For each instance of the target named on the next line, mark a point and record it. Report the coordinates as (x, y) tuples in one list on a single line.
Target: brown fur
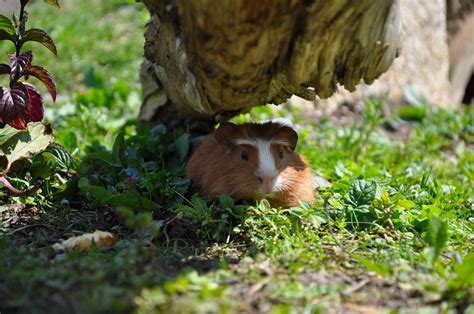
[(216, 166)]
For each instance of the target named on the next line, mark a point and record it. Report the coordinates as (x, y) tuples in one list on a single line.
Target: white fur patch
[(266, 163), (254, 142), (280, 121)]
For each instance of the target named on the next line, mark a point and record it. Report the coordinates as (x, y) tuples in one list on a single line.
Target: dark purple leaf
[(44, 76), (19, 64), (4, 69), (36, 103), (39, 35), (14, 105)]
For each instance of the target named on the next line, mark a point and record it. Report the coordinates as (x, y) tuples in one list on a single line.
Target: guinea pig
[(252, 161)]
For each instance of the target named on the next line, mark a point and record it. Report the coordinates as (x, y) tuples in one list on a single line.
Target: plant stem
[(14, 191), (21, 28)]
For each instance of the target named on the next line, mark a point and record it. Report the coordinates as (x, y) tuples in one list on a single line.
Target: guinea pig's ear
[(287, 135), (225, 134)]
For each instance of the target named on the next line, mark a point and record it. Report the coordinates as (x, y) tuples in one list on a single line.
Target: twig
[(416, 235), (366, 309), (186, 199), (30, 226), (349, 291), (390, 222), (258, 286)]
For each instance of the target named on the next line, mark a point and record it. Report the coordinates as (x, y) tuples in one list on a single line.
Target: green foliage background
[(393, 231)]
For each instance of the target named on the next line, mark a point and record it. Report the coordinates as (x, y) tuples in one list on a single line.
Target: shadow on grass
[(36, 279)]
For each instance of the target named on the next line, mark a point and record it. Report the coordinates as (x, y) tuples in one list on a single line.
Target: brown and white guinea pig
[(252, 161)]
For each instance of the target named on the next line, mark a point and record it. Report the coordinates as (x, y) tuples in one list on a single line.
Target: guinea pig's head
[(258, 153)]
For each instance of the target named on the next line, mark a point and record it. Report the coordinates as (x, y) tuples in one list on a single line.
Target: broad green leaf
[(297, 211), (264, 205), (119, 147), (6, 133), (157, 131), (318, 220), (6, 25), (341, 170), (381, 269), (182, 146), (40, 36), (405, 204), (108, 198), (103, 156), (436, 235), (362, 192), (199, 203), (427, 211), (26, 143), (54, 3), (97, 192), (60, 155), (226, 201), (185, 209)]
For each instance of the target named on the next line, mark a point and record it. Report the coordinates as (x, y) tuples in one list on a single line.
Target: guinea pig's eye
[(244, 155), (281, 153)]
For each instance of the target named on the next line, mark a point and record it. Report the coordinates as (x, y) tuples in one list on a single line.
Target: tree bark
[(460, 16), (208, 60)]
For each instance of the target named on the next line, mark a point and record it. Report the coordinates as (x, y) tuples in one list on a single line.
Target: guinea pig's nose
[(267, 182)]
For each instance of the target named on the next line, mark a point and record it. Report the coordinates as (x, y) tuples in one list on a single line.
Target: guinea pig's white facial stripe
[(280, 142), (243, 141), (266, 163)]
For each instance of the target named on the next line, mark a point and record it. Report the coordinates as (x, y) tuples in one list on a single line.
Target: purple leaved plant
[(21, 102)]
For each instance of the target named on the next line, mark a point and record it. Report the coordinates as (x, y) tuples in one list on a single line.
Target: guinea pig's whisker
[(287, 180), (298, 167), (285, 188)]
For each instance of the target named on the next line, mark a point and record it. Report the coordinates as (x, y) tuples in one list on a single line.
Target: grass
[(393, 232)]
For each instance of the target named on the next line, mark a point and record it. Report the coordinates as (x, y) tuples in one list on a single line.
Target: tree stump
[(460, 15), (208, 60)]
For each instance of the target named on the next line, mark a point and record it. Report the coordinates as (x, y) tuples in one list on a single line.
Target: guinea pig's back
[(206, 164), (298, 181)]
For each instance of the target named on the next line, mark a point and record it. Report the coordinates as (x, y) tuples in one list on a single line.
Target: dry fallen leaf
[(83, 242)]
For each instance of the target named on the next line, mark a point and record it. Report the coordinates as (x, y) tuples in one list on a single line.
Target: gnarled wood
[(208, 60)]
